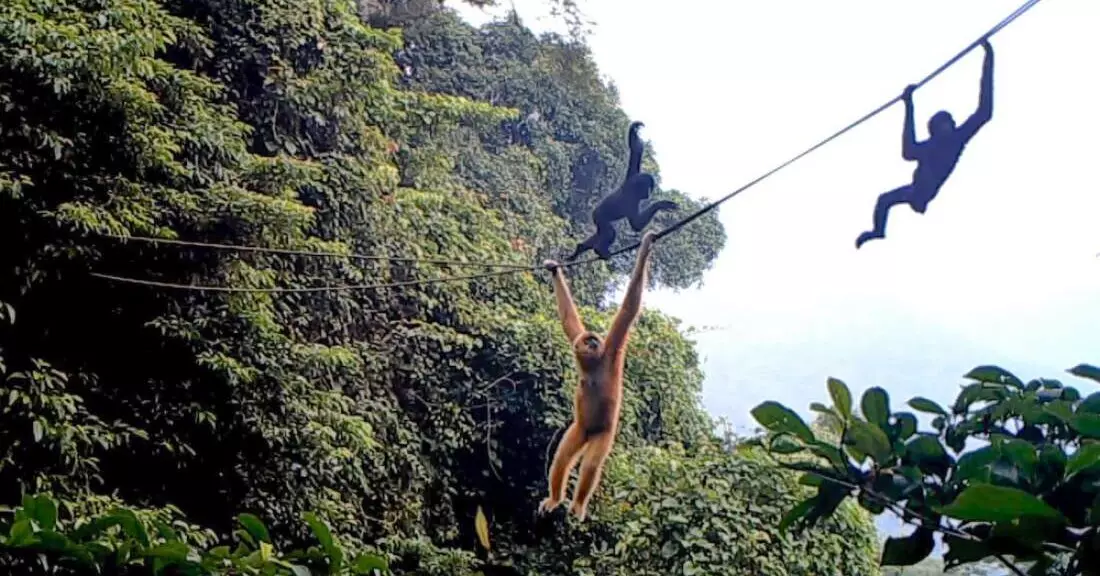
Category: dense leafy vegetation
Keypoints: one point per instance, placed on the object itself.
(155, 430)
(1010, 471)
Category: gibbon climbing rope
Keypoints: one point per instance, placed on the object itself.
(516, 268)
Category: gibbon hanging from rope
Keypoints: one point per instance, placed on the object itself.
(598, 396)
(937, 156)
(624, 203)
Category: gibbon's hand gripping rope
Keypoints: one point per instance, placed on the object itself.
(515, 268)
(683, 222)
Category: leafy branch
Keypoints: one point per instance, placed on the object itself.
(1018, 495)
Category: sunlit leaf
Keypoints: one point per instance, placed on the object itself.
(1087, 457)
(989, 503)
(994, 374)
(481, 526)
(925, 405)
(842, 397)
(797, 513)
(254, 526)
(875, 406)
(778, 418)
(869, 440)
(1086, 371)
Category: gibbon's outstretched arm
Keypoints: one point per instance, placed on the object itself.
(567, 310)
(619, 333)
(636, 146)
(909, 146)
(984, 113)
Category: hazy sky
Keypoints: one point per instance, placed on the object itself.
(1001, 269)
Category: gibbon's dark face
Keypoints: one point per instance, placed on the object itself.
(588, 348)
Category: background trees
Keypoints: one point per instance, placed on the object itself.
(150, 429)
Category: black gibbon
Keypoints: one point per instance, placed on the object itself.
(624, 202)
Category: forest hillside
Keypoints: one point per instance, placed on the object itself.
(320, 414)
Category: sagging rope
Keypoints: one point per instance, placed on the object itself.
(314, 253)
(515, 268)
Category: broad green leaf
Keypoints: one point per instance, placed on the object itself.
(131, 525)
(842, 397)
(989, 503)
(1085, 458)
(908, 550)
(324, 537)
(830, 453)
(994, 374)
(1060, 410)
(928, 454)
(1052, 464)
(1091, 404)
(905, 425)
(875, 405)
(1087, 425)
(809, 479)
(869, 440)
(1086, 371)
(42, 510)
(481, 526)
(20, 534)
(50, 540)
(255, 527)
(300, 570)
(778, 418)
(797, 513)
(366, 564)
(927, 406)
(1020, 452)
(175, 551)
(785, 444)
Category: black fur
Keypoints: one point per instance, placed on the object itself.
(624, 202)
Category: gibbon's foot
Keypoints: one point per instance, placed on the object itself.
(866, 236)
(581, 512)
(548, 505)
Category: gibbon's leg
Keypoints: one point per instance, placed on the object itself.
(571, 445)
(596, 452)
(605, 237)
(640, 220)
(600, 241)
(885, 202)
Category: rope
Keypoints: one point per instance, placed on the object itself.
(688, 219)
(313, 253)
(304, 290)
(515, 268)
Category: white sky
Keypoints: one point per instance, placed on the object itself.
(1001, 269)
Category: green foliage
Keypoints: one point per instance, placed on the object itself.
(345, 427)
(124, 541)
(712, 511)
(1029, 491)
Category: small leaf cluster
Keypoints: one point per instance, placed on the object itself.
(1010, 469)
